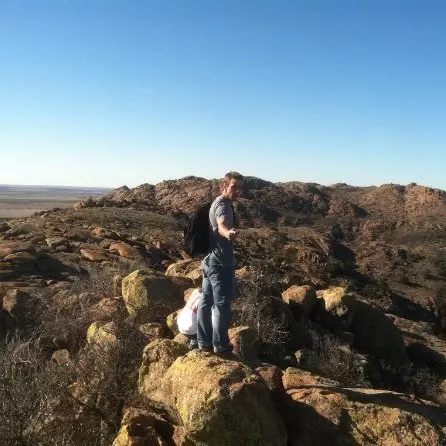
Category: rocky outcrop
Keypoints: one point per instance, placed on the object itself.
(221, 402)
(323, 412)
(158, 356)
(373, 331)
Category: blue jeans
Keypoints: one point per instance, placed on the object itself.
(214, 310)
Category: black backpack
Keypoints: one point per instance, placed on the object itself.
(196, 233)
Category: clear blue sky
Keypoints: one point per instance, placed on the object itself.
(108, 92)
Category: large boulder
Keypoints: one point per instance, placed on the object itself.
(373, 331)
(189, 268)
(221, 402)
(157, 357)
(323, 412)
(340, 303)
(301, 299)
(150, 296)
(422, 346)
(376, 333)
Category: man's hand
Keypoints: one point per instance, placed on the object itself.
(232, 234)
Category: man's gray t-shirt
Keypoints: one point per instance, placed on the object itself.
(222, 249)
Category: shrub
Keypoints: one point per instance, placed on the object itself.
(331, 358)
(420, 381)
(260, 310)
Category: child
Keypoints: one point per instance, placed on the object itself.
(187, 319)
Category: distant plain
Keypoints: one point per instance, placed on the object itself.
(21, 201)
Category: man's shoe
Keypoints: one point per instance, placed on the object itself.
(206, 349)
(224, 351)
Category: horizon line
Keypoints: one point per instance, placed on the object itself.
(207, 179)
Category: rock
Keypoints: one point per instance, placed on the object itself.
(376, 333)
(103, 335)
(339, 302)
(189, 269)
(152, 331)
(54, 242)
(243, 273)
(422, 346)
(12, 247)
(158, 356)
(95, 255)
(301, 299)
(106, 243)
(105, 310)
(221, 402)
(182, 339)
(22, 257)
(246, 344)
(61, 357)
(272, 377)
(126, 250)
(6, 273)
(138, 428)
(171, 322)
(323, 412)
(104, 233)
(150, 296)
(183, 284)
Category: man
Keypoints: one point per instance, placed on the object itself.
(214, 310)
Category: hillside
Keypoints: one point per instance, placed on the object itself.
(341, 291)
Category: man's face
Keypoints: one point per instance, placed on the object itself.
(233, 189)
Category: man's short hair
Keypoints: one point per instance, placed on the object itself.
(232, 176)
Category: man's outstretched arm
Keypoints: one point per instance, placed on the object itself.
(223, 229)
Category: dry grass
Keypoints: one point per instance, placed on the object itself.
(37, 407)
